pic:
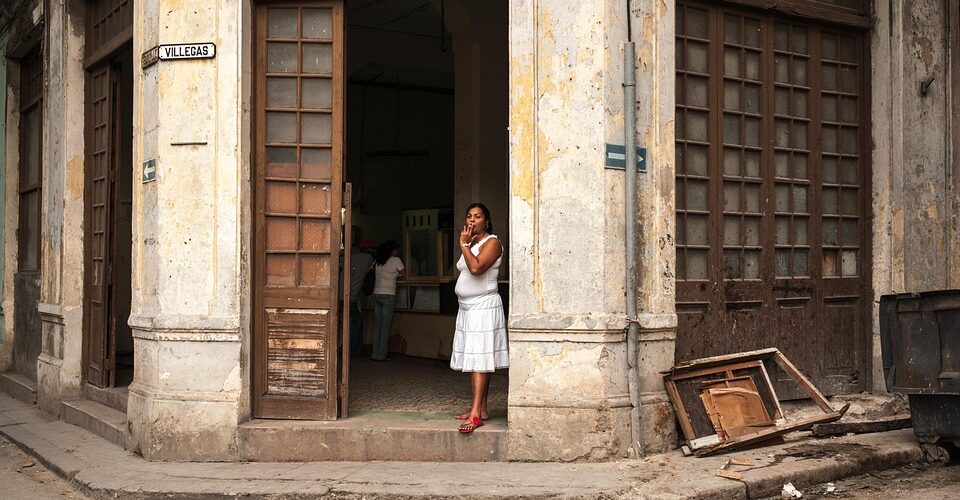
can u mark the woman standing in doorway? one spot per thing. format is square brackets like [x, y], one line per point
[480, 340]
[388, 268]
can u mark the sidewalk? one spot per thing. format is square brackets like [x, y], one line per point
[101, 469]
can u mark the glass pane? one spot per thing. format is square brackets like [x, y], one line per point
[751, 195]
[681, 232]
[751, 265]
[781, 69]
[731, 196]
[828, 77]
[281, 233]
[696, 195]
[848, 263]
[281, 57]
[30, 166]
[781, 101]
[731, 29]
[799, 71]
[282, 162]
[731, 162]
[696, 91]
[848, 141]
[315, 128]
[696, 22]
[281, 197]
[799, 103]
[751, 131]
[781, 262]
[782, 198]
[799, 166]
[831, 237]
[848, 79]
[849, 201]
[799, 262]
[851, 234]
[29, 231]
[781, 133]
[314, 270]
[281, 127]
[829, 262]
[799, 231]
[752, 65]
[751, 163]
[281, 92]
[848, 170]
[280, 270]
[731, 230]
[282, 23]
[318, 23]
[751, 98]
[696, 230]
[731, 62]
[315, 163]
[782, 232]
[697, 160]
[696, 264]
[696, 126]
[781, 37]
[731, 96]
[799, 40]
[317, 93]
[731, 129]
[317, 58]
[800, 135]
[848, 49]
[828, 47]
[828, 108]
[800, 199]
[829, 138]
[751, 231]
[315, 235]
[697, 56]
[731, 264]
[830, 200]
[751, 33]
[315, 199]
[829, 169]
[848, 109]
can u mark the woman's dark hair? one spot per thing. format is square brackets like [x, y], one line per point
[486, 214]
[384, 251]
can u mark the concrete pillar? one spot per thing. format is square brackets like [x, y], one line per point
[569, 397]
[916, 237]
[190, 288]
[61, 268]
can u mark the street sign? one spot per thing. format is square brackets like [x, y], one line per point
[616, 157]
[149, 171]
[186, 51]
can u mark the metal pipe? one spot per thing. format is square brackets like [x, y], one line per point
[630, 223]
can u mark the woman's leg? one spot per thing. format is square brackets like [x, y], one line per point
[479, 381]
[377, 327]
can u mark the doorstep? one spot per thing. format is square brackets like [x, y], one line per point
[401, 436]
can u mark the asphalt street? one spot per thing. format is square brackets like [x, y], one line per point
[23, 478]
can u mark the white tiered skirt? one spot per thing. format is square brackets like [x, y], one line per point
[480, 340]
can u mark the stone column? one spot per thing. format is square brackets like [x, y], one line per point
[190, 269]
[569, 397]
[61, 268]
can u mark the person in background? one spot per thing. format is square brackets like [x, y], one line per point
[388, 268]
[480, 339]
[361, 263]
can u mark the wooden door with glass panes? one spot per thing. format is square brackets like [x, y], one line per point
[298, 116]
[770, 206]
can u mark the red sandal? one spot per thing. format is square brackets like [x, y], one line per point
[471, 425]
[464, 416]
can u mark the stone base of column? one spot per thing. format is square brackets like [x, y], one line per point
[186, 399]
[656, 349]
[53, 384]
[658, 424]
[48, 384]
[568, 399]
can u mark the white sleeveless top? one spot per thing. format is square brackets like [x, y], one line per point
[468, 285]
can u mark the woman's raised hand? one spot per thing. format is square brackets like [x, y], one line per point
[466, 234]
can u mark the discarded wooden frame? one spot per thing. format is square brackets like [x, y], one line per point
[692, 387]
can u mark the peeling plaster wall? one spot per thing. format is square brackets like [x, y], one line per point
[568, 349]
[190, 261]
[915, 190]
[10, 178]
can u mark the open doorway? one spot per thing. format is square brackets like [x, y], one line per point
[108, 339]
[426, 135]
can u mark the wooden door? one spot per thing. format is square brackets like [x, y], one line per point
[770, 114]
[297, 182]
[99, 187]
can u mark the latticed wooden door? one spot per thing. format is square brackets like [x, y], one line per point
[298, 190]
[770, 205]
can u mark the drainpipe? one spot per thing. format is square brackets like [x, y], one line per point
[630, 223]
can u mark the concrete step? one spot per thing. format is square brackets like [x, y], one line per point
[19, 387]
[99, 419]
[113, 397]
[373, 436]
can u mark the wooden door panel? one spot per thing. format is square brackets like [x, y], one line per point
[768, 192]
[298, 191]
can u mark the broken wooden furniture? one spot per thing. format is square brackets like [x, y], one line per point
[727, 402]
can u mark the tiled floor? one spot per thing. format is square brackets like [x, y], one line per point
[407, 383]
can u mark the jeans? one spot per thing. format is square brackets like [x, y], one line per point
[382, 316]
[356, 327]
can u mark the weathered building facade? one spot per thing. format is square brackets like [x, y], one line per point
[173, 226]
